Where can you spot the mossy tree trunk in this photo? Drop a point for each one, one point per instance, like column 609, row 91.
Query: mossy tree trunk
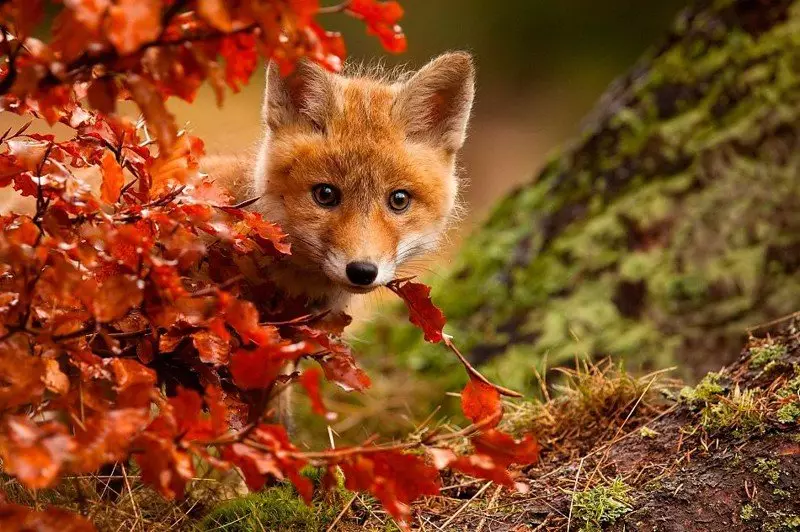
column 665, row 230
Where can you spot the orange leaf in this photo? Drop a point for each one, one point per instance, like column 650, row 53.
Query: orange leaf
column 212, row 348
column 177, row 165
column 310, row 380
column 54, row 379
column 16, row 517
column 115, row 296
column 255, row 370
column 341, row 368
column 132, row 23
column 106, row 437
column 215, row 12
column 88, row 12
column 421, row 310
column 396, row 479
column 480, row 402
column 34, row 454
column 151, row 103
column 506, row 450
column 102, row 95
column 112, row 178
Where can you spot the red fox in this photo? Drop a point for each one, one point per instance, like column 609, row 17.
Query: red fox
column 359, row 171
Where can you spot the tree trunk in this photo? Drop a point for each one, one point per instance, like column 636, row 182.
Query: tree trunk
column 664, row 231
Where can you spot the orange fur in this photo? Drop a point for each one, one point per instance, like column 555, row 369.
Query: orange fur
column 367, row 138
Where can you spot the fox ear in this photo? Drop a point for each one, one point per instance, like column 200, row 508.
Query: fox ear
column 306, row 95
column 435, row 104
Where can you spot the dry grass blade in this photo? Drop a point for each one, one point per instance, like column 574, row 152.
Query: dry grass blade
column 465, row 505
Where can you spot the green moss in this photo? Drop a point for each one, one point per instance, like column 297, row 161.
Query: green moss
column 769, row 469
column 789, row 413
column 763, row 355
column 747, row 513
column 783, row 494
column 705, row 391
column 792, row 387
column 740, row 413
column 782, row 522
column 602, row 505
column 646, row 432
column 278, row 508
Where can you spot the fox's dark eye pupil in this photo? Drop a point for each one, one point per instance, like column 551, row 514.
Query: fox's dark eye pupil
column 399, row 200
column 326, row 195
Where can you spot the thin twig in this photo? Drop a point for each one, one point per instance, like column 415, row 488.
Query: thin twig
column 341, row 514
column 491, row 504
column 130, row 493
column 574, row 489
column 477, row 374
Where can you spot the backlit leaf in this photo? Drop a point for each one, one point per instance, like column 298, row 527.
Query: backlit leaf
column 421, row 310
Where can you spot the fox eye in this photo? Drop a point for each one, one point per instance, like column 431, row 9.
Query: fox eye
column 326, row 195
column 399, row 200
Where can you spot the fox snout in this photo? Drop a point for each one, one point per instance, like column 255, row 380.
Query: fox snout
column 358, row 273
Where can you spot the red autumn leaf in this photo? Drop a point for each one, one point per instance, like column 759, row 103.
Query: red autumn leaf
column 23, row 377
column 218, row 410
column 342, row 369
column 163, row 465
column 256, row 369
column 211, row 192
column 88, row 12
column 105, row 437
column 129, row 373
column 482, row 466
column 211, row 347
column 495, row 451
column 396, row 479
column 35, row 454
column 177, row 165
column 243, row 317
column 421, row 310
column 112, row 178
column 14, row 517
column 480, row 402
column 272, row 459
column 310, row 380
column 241, row 59
column 102, row 95
column 54, row 379
column 132, row 23
column 382, row 18
column 115, row 297
column 506, row 450
column 253, row 226
column 28, row 153
column 151, row 103
column 215, row 12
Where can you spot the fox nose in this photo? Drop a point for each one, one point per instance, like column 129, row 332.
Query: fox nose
column 361, row 273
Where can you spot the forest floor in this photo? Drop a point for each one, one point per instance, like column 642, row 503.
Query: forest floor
column 618, row 453
column 624, row 453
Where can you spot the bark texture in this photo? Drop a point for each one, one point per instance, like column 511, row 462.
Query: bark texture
column 665, row 230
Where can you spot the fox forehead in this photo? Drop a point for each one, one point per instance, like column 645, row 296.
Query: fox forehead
column 361, row 110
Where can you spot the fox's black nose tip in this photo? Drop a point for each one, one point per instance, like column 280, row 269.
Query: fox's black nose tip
column 361, row 273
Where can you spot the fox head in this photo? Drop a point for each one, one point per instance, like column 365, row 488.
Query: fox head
column 361, row 172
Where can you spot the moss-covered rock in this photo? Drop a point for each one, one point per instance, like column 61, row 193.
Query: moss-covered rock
column 660, row 235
